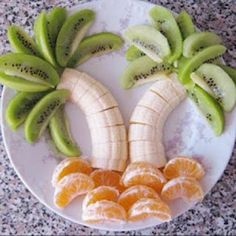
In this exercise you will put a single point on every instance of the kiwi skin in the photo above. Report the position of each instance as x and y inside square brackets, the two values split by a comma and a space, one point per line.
[21, 42]
[19, 107]
[60, 133]
[39, 117]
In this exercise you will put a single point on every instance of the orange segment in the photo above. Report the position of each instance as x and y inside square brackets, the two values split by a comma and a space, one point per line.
[183, 166]
[134, 193]
[103, 177]
[183, 187]
[148, 207]
[104, 212]
[145, 174]
[69, 166]
[71, 186]
[101, 193]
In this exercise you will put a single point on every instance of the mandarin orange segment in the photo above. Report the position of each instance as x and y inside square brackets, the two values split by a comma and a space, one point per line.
[148, 207]
[69, 166]
[102, 177]
[143, 173]
[104, 212]
[183, 187]
[100, 193]
[71, 186]
[183, 166]
[134, 193]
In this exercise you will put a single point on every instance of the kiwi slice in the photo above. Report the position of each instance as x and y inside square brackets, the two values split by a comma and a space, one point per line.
[95, 45]
[185, 23]
[55, 19]
[150, 41]
[165, 22]
[133, 53]
[19, 107]
[143, 70]
[209, 108]
[20, 84]
[231, 71]
[194, 62]
[39, 117]
[21, 42]
[42, 38]
[60, 133]
[217, 82]
[29, 68]
[198, 41]
[71, 33]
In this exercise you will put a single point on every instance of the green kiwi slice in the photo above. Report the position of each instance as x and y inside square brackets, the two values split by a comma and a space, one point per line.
[60, 133]
[198, 41]
[21, 42]
[185, 23]
[39, 117]
[133, 53]
[19, 107]
[42, 38]
[95, 45]
[143, 70]
[71, 33]
[165, 22]
[217, 82]
[231, 71]
[150, 41]
[194, 62]
[29, 68]
[209, 107]
[20, 84]
[55, 19]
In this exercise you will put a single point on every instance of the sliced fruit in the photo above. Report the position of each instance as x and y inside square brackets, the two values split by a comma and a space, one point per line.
[143, 173]
[141, 132]
[197, 60]
[55, 18]
[21, 84]
[210, 109]
[102, 177]
[133, 53]
[231, 71]
[186, 26]
[95, 45]
[165, 22]
[21, 42]
[149, 208]
[143, 70]
[104, 212]
[61, 135]
[40, 115]
[217, 83]
[70, 187]
[71, 33]
[69, 166]
[134, 193]
[150, 41]
[43, 41]
[196, 42]
[100, 193]
[183, 187]
[29, 68]
[20, 106]
[183, 166]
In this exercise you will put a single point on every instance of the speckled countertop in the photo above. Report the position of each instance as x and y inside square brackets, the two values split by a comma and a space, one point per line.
[21, 213]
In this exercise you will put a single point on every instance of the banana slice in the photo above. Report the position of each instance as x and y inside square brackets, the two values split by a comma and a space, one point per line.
[108, 134]
[138, 132]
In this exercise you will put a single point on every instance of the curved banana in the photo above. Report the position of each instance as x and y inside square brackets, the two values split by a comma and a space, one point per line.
[107, 129]
[148, 119]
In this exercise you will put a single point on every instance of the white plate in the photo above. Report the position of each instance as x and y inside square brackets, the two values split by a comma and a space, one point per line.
[185, 131]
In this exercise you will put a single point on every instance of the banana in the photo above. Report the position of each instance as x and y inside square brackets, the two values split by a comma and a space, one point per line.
[108, 133]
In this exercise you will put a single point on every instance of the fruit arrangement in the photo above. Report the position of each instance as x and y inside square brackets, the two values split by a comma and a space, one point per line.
[143, 191]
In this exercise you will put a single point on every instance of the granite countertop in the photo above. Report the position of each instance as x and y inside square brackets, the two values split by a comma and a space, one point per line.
[21, 213]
